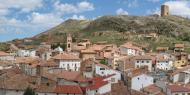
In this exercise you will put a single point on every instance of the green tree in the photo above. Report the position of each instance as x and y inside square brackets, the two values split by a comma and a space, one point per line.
[29, 91]
[104, 62]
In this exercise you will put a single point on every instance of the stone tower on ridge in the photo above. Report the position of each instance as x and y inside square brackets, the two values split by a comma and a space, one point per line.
[69, 43]
[164, 10]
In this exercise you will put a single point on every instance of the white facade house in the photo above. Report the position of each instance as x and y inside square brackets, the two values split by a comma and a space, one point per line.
[164, 61]
[26, 53]
[129, 49]
[104, 70]
[68, 61]
[99, 86]
[144, 60]
[164, 64]
[181, 75]
[141, 81]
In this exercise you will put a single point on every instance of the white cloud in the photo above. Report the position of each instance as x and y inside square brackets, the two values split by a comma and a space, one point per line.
[24, 5]
[133, 3]
[45, 19]
[120, 11]
[80, 17]
[154, 11]
[66, 8]
[181, 8]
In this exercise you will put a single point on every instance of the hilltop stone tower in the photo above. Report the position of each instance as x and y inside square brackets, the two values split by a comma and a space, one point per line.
[164, 10]
[69, 43]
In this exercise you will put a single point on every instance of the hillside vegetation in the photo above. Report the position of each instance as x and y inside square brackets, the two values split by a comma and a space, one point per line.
[119, 29]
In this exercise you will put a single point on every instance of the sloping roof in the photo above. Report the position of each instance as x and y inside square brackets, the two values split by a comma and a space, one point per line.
[143, 57]
[178, 88]
[179, 45]
[66, 56]
[68, 89]
[16, 82]
[97, 83]
[2, 53]
[131, 46]
[27, 60]
[49, 63]
[88, 51]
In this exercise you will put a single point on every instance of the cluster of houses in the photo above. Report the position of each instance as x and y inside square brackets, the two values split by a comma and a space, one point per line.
[84, 68]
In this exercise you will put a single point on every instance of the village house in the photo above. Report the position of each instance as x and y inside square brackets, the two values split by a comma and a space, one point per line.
[164, 62]
[44, 52]
[87, 68]
[181, 60]
[162, 49]
[174, 89]
[137, 79]
[113, 60]
[142, 61]
[68, 61]
[99, 86]
[181, 75]
[87, 54]
[103, 70]
[130, 49]
[179, 47]
[26, 51]
[6, 56]
[27, 64]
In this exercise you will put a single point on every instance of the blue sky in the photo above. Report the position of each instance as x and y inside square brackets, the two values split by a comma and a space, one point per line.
[26, 18]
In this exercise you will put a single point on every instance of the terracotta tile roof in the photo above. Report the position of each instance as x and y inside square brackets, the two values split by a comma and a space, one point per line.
[143, 57]
[178, 88]
[97, 83]
[179, 45]
[152, 89]
[131, 46]
[68, 89]
[26, 60]
[88, 51]
[16, 82]
[138, 71]
[49, 63]
[43, 87]
[66, 56]
[2, 53]
[69, 75]
[97, 47]
[162, 48]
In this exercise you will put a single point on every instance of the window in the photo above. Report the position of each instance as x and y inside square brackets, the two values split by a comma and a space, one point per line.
[147, 61]
[142, 61]
[176, 94]
[112, 79]
[137, 61]
[102, 68]
[138, 78]
[183, 93]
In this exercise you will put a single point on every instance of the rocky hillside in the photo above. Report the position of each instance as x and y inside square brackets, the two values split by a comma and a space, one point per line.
[119, 29]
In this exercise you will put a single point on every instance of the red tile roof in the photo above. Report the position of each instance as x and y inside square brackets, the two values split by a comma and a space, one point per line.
[2, 53]
[68, 89]
[66, 56]
[178, 88]
[97, 83]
